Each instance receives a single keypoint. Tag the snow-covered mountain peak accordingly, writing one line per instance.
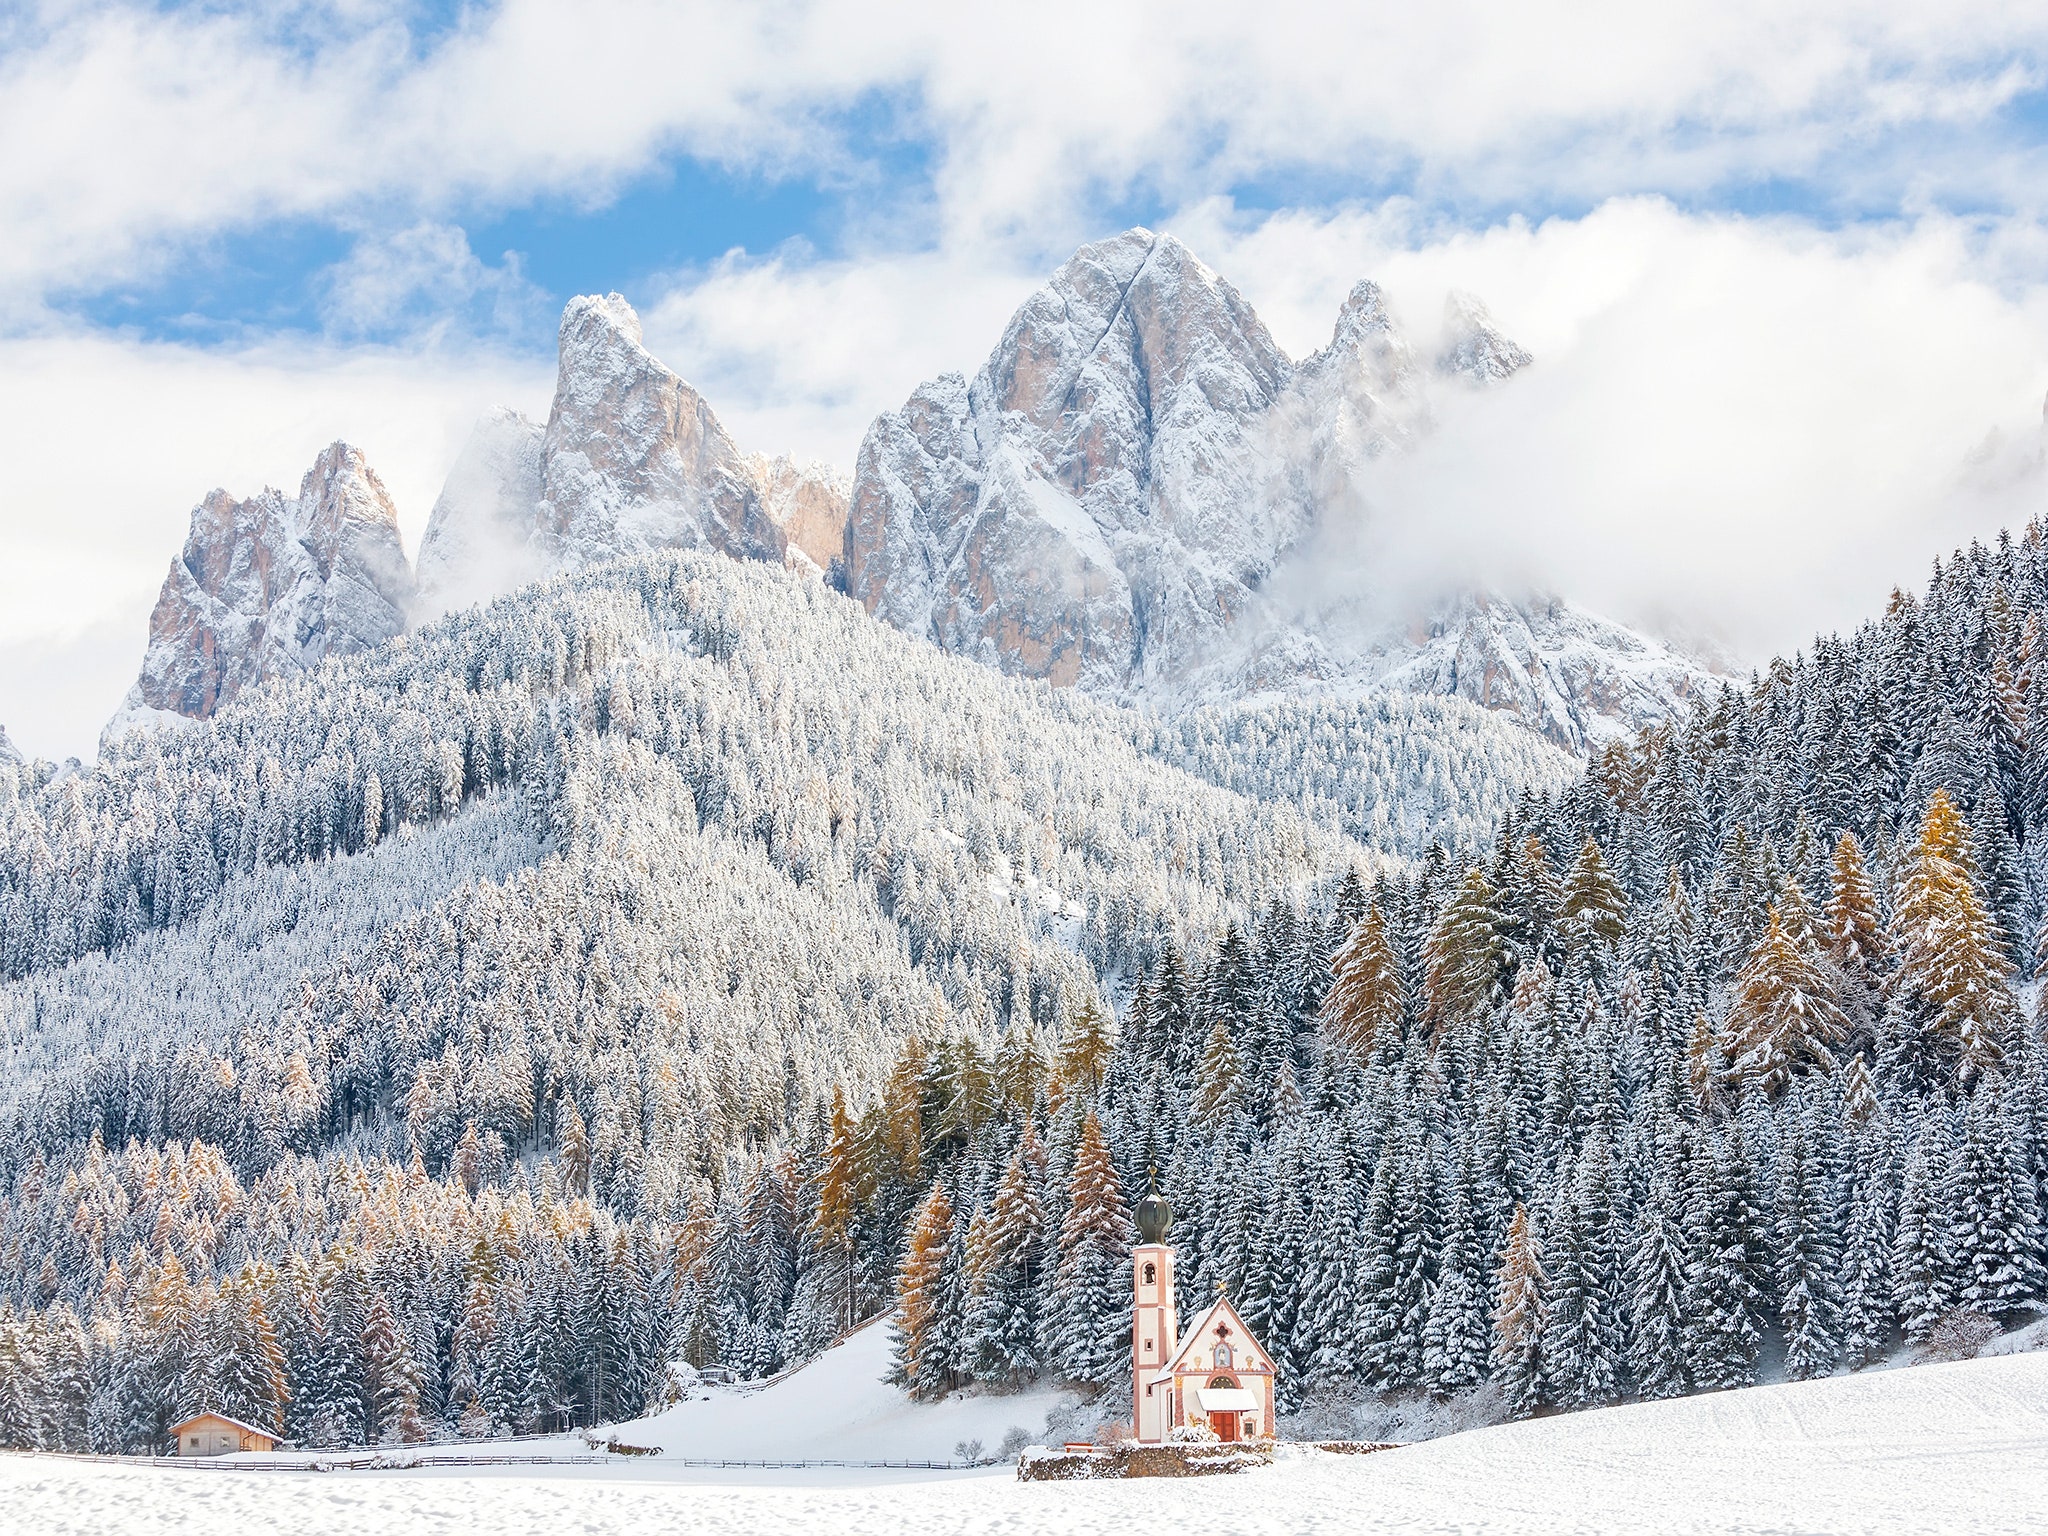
(1474, 348)
(10, 754)
(273, 584)
(632, 460)
(1138, 465)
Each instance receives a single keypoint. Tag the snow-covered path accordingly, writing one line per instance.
(1954, 1450)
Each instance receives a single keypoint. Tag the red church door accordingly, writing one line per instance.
(1225, 1425)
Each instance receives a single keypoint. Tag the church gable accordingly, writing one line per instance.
(1218, 1340)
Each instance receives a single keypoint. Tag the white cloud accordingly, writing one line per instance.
(1744, 427)
(107, 443)
(799, 354)
(137, 128)
(425, 279)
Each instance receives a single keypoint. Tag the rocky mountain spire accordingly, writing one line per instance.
(1093, 505)
(632, 459)
(273, 584)
(1473, 348)
(1133, 493)
(10, 754)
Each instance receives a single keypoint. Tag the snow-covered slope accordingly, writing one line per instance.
(1574, 677)
(1113, 499)
(1951, 1450)
(840, 1407)
(273, 585)
(632, 461)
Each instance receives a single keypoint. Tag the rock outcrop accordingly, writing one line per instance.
(270, 585)
(632, 460)
(10, 754)
(1115, 496)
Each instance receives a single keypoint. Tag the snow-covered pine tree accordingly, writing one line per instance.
(1998, 1231)
(1808, 1252)
(1724, 1310)
(1582, 1319)
(1091, 1325)
(1925, 1285)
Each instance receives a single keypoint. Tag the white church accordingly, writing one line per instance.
(1215, 1374)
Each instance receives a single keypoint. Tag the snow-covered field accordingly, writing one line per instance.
(1950, 1449)
(836, 1408)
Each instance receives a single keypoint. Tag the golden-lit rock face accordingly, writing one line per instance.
(275, 584)
(632, 460)
(1139, 495)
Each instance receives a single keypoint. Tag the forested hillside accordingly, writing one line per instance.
(347, 1027)
(671, 962)
(1716, 1064)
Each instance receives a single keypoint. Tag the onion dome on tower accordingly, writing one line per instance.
(1153, 1213)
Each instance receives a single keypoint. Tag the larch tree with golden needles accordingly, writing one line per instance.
(839, 1195)
(1366, 1000)
(1518, 1317)
(1084, 1053)
(1592, 899)
(1784, 1019)
(924, 1348)
(1953, 976)
(1463, 957)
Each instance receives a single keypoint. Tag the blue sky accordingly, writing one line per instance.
(1783, 265)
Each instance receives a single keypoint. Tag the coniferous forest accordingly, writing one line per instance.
(669, 963)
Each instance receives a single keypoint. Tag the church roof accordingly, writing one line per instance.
(1198, 1325)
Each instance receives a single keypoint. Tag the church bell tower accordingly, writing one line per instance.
(1155, 1328)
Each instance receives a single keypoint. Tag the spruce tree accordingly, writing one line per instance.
(1924, 1279)
(1808, 1249)
(1998, 1233)
(1725, 1303)
(1657, 1272)
(1582, 1320)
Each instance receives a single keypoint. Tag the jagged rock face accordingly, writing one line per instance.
(1092, 505)
(1113, 499)
(274, 584)
(808, 503)
(632, 460)
(9, 753)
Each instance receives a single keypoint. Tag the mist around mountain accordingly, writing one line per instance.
(1139, 495)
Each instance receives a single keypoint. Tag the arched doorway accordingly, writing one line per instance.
(1224, 1422)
